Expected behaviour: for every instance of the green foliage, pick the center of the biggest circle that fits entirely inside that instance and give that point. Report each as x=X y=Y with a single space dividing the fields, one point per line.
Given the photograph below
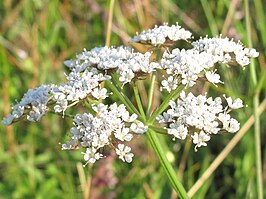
x=37 y=36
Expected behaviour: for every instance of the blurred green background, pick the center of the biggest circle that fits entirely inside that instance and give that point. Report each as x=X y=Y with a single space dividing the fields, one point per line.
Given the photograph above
x=36 y=36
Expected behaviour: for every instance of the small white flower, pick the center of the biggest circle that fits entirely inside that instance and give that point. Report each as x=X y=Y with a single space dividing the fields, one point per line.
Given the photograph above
x=213 y=77
x=189 y=79
x=61 y=106
x=170 y=84
x=123 y=153
x=8 y=119
x=91 y=155
x=126 y=76
x=166 y=117
x=123 y=134
x=36 y=113
x=236 y=104
x=18 y=111
x=224 y=117
x=179 y=132
x=252 y=52
x=200 y=139
x=127 y=118
x=100 y=141
x=100 y=108
x=138 y=127
x=70 y=144
x=99 y=93
x=57 y=95
x=233 y=126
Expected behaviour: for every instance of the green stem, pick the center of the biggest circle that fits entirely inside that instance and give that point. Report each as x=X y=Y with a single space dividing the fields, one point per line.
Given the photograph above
x=150 y=95
x=211 y=21
x=117 y=91
x=159 y=129
x=171 y=174
x=138 y=100
x=260 y=19
x=255 y=110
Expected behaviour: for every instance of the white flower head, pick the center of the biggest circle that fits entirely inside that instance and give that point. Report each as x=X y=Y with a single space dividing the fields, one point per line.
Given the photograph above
x=138 y=127
x=123 y=153
x=123 y=134
x=109 y=125
x=129 y=118
x=234 y=104
x=179 y=132
x=170 y=84
x=232 y=126
x=159 y=34
x=222 y=50
x=100 y=93
x=91 y=155
x=213 y=77
x=61 y=106
x=201 y=114
x=200 y=139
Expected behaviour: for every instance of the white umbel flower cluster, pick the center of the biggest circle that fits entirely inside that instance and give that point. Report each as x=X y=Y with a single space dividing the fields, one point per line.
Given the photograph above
x=160 y=34
x=224 y=50
x=111 y=124
x=186 y=66
x=197 y=118
x=123 y=60
x=204 y=116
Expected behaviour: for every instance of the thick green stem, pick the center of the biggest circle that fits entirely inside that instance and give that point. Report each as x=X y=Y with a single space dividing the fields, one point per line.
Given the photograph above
x=116 y=90
x=138 y=100
x=171 y=174
x=150 y=96
x=255 y=110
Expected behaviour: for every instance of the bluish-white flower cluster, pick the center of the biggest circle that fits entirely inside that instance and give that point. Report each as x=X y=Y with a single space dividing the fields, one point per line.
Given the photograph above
x=110 y=125
x=33 y=105
x=199 y=117
x=80 y=85
x=160 y=34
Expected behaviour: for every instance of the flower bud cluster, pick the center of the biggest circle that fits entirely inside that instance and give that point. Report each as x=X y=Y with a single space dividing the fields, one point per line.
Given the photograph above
x=199 y=117
x=108 y=126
